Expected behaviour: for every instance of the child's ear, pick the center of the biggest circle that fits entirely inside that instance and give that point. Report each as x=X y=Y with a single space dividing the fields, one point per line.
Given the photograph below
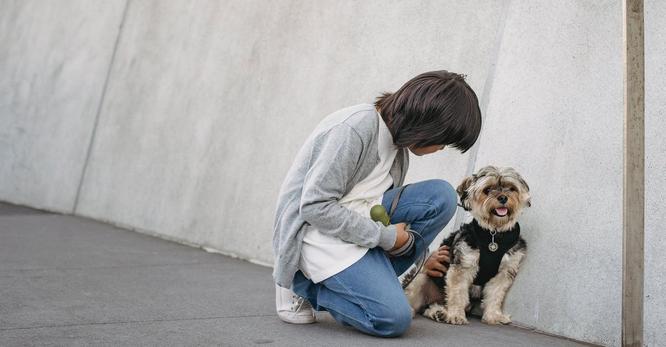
x=462 y=191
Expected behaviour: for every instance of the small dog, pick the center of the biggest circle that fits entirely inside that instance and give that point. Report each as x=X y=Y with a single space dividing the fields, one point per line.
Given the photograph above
x=485 y=253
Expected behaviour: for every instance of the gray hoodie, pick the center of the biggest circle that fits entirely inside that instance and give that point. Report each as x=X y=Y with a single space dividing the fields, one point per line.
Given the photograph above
x=340 y=152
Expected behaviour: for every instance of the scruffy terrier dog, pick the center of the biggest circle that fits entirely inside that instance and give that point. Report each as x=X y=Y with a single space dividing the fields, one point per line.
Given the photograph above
x=485 y=253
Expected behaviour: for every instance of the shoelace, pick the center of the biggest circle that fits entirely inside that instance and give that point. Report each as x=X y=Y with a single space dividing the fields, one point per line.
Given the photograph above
x=300 y=303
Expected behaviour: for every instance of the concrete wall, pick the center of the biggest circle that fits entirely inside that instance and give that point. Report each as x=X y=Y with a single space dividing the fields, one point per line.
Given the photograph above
x=655 y=167
x=54 y=59
x=203 y=113
x=556 y=115
x=184 y=122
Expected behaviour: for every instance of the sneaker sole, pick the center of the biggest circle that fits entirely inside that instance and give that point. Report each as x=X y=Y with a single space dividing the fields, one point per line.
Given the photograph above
x=299 y=320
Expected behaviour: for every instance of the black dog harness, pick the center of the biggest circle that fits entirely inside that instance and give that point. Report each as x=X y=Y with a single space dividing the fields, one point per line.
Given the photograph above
x=489 y=261
x=479 y=238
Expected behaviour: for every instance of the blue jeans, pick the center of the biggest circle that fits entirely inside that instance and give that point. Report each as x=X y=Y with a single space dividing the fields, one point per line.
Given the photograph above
x=367 y=295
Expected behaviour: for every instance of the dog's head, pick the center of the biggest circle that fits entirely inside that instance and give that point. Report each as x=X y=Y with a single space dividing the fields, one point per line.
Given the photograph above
x=495 y=197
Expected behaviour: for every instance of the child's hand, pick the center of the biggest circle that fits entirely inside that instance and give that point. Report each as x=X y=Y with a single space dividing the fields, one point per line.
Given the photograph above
x=437 y=263
x=402 y=235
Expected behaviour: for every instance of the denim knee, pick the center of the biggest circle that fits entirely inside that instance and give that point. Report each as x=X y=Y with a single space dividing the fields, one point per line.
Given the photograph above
x=444 y=199
x=393 y=321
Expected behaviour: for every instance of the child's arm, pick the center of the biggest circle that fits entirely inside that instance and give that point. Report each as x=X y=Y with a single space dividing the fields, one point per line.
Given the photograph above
x=336 y=156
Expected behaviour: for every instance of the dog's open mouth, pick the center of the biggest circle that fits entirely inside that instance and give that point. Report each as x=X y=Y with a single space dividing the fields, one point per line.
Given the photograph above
x=501 y=211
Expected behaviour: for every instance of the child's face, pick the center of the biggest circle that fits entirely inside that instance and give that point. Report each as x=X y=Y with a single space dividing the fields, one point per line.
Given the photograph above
x=426 y=150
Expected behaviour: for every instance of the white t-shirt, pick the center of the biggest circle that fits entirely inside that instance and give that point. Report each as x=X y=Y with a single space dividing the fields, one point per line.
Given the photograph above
x=323 y=256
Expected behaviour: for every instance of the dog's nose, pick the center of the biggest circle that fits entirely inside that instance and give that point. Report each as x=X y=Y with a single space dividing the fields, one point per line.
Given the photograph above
x=502 y=199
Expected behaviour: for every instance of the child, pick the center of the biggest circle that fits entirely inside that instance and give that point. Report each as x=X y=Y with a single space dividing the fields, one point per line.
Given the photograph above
x=329 y=254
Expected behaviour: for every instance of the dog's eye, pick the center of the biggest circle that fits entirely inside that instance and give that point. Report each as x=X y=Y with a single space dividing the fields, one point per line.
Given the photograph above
x=486 y=191
x=513 y=189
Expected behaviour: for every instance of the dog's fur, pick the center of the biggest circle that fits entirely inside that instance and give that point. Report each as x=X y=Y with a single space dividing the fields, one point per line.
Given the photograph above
x=474 y=270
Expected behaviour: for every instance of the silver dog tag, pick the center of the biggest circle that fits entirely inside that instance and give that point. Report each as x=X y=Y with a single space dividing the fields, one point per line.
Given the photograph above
x=492 y=246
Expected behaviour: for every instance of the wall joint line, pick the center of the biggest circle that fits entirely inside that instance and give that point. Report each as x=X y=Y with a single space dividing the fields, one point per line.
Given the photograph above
x=99 y=107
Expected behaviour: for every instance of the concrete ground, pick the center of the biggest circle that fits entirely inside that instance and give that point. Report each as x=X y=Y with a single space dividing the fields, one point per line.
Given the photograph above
x=72 y=281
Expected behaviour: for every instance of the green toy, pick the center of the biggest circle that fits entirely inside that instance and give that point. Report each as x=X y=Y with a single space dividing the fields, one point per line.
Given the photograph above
x=378 y=214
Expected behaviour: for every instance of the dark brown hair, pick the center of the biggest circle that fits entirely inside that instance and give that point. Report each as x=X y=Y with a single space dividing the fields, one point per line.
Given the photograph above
x=433 y=108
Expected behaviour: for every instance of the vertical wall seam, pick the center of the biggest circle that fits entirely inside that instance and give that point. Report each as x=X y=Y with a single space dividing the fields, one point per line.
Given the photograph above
x=633 y=172
x=484 y=100
x=99 y=106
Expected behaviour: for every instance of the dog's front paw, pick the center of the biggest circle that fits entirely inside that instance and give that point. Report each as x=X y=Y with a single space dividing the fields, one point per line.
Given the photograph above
x=456 y=317
x=435 y=312
x=495 y=317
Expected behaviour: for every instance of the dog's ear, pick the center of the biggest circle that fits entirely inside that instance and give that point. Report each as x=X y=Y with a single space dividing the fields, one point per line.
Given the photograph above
x=463 y=193
x=526 y=190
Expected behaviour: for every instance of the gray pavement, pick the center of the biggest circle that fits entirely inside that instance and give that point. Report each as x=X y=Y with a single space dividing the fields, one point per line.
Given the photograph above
x=71 y=281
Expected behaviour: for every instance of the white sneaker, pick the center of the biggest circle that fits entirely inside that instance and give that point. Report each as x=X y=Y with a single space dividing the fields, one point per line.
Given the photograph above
x=292 y=308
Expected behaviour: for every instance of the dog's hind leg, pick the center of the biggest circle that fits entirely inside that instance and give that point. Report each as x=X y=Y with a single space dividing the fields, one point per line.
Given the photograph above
x=415 y=292
x=495 y=290
x=459 y=278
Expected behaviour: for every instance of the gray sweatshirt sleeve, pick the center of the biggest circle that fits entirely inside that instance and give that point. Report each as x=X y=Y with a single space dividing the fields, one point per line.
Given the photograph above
x=335 y=157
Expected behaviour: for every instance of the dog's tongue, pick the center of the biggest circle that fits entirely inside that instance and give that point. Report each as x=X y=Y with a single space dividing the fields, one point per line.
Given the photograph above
x=501 y=211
